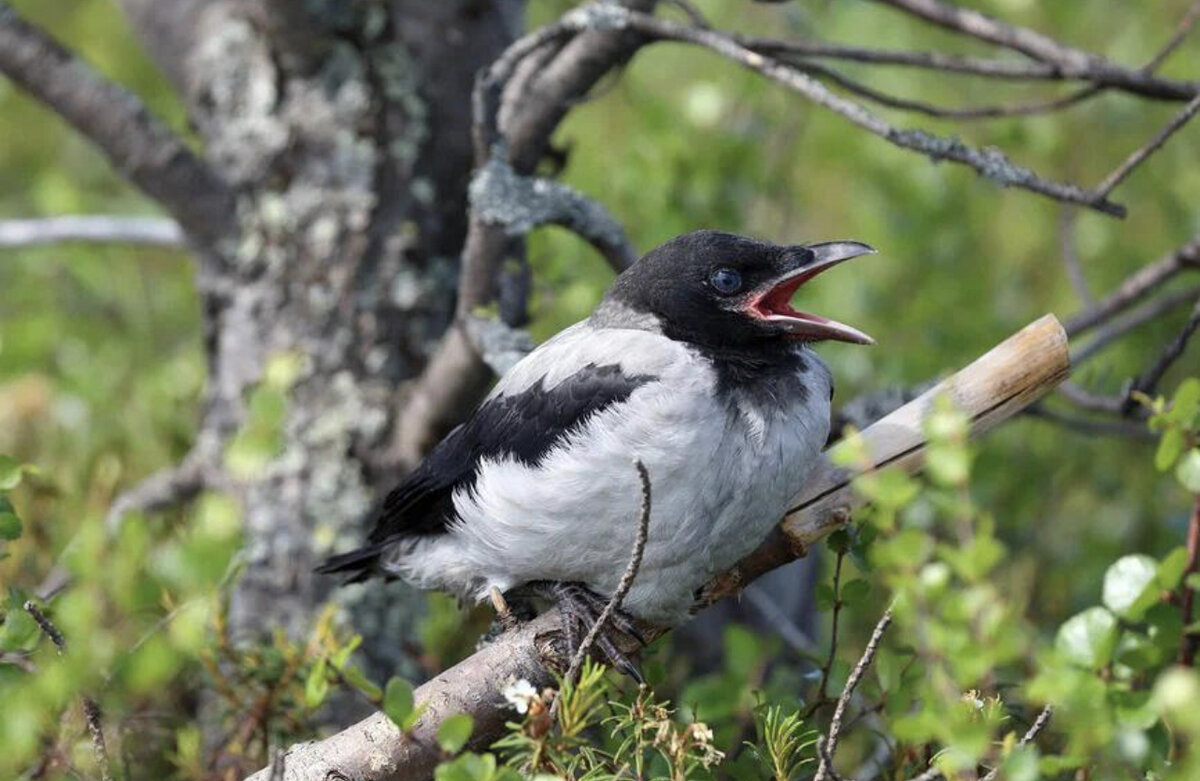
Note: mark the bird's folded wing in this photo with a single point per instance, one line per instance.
(533, 409)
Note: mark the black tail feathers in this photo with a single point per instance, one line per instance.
(361, 563)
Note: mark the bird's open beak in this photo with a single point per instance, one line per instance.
(772, 302)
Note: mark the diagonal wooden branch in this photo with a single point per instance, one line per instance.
(91, 228)
(996, 386)
(138, 144)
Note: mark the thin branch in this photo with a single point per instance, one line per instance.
(139, 145)
(1103, 428)
(825, 768)
(631, 571)
(518, 204)
(91, 711)
(1112, 77)
(1131, 319)
(989, 162)
(1186, 22)
(1148, 382)
(1030, 735)
(1070, 255)
(1137, 286)
(1139, 156)
(970, 113)
(167, 488)
(149, 231)
(1068, 61)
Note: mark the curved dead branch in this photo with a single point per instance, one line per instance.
(138, 144)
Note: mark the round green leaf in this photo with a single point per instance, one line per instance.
(398, 701)
(1169, 448)
(455, 732)
(1131, 585)
(1187, 471)
(1087, 639)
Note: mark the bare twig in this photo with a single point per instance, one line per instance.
(989, 162)
(150, 231)
(167, 488)
(1121, 325)
(518, 204)
(1070, 255)
(1111, 77)
(825, 768)
(1136, 287)
(1068, 61)
(827, 667)
(968, 113)
(1148, 381)
(1139, 155)
(1106, 428)
(1030, 735)
(139, 145)
(626, 582)
(1186, 22)
(91, 710)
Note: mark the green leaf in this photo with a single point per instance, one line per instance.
(1171, 569)
(1169, 448)
(1131, 586)
(454, 732)
(10, 472)
(1186, 403)
(1187, 471)
(356, 678)
(342, 655)
(467, 767)
(856, 591)
(1087, 639)
(317, 685)
(10, 524)
(398, 701)
(1193, 580)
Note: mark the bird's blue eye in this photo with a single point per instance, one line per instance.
(725, 281)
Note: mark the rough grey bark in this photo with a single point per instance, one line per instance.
(344, 128)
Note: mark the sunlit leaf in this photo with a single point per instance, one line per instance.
(1131, 586)
(1087, 639)
(1187, 471)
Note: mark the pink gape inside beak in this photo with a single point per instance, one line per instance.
(774, 304)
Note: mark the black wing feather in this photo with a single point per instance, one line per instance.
(525, 426)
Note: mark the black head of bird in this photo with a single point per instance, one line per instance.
(725, 291)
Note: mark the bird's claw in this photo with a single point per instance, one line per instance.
(580, 608)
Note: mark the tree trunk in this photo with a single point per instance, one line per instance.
(344, 129)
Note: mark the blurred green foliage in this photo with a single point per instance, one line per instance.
(1071, 538)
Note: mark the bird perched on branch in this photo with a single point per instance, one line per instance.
(694, 363)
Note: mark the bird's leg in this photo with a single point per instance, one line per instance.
(580, 608)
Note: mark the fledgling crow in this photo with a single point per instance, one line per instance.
(696, 364)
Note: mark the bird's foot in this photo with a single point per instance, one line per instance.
(580, 608)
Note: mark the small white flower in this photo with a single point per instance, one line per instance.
(520, 694)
